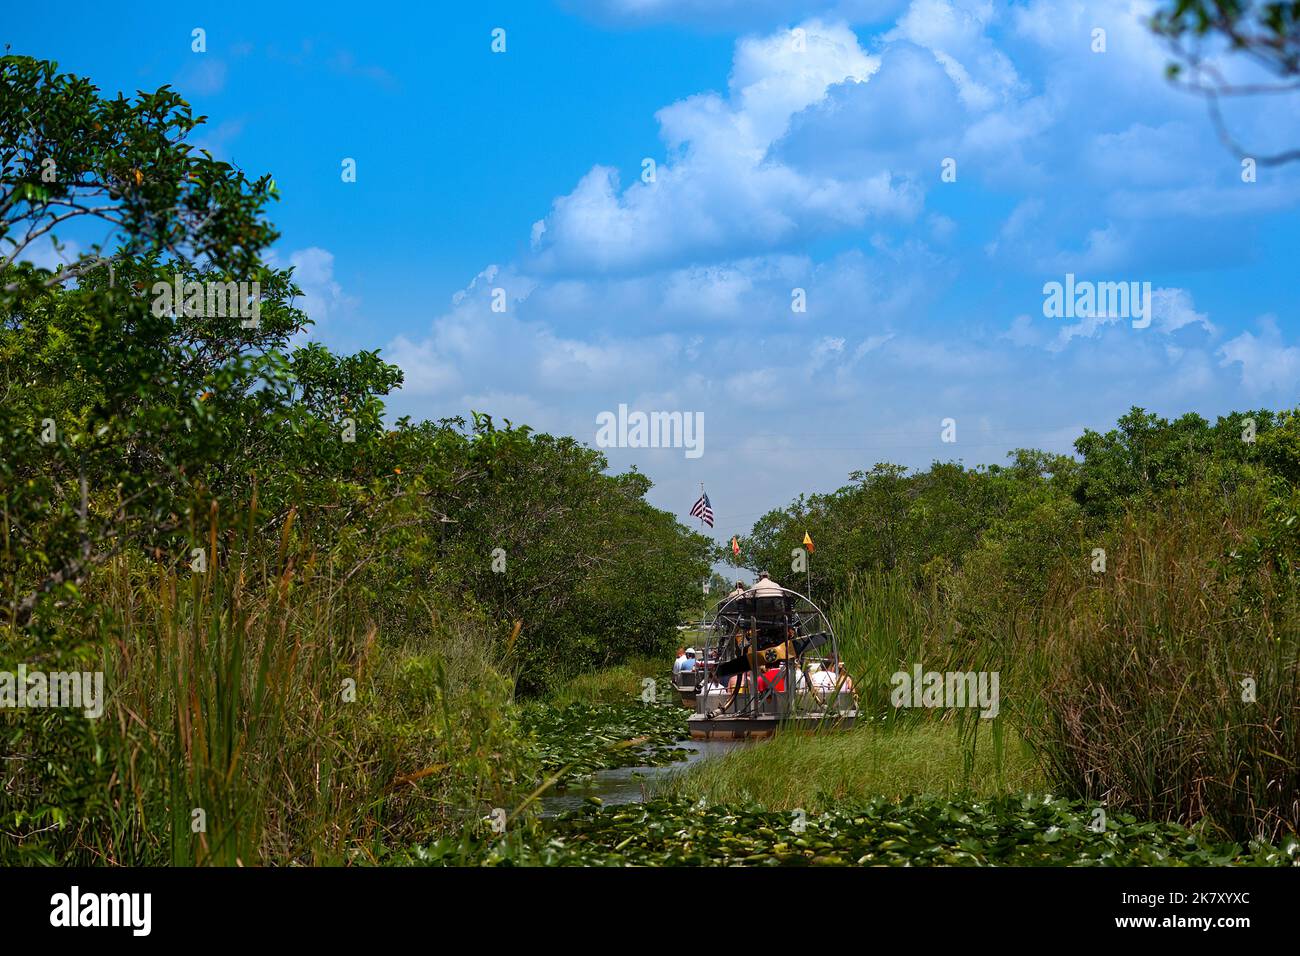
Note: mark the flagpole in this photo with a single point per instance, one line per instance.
(807, 565)
(705, 586)
(708, 574)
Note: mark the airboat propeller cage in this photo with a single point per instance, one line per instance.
(763, 626)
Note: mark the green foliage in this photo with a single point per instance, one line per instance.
(336, 543)
(1171, 683)
(1125, 680)
(579, 739)
(1009, 526)
(593, 574)
(229, 693)
(68, 154)
(611, 685)
(818, 772)
(1006, 831)
(1146, 456)
(917, 525)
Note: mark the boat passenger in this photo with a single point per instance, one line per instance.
(774, 677)
(686, 663)
(822, 678)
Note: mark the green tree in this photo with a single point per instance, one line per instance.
(1265, 33)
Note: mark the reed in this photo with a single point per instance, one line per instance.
(1169, 683)
(1126, 684)
(255, 716)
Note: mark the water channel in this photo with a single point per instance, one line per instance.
(629, 784)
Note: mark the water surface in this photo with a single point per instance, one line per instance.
(628, 784)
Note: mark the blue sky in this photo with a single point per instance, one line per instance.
(797, 146)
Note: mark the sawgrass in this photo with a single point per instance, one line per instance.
(1128, 684)
(818, 771)
(1171, 684)
(252, 718)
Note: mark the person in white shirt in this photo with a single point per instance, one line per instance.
(823, 680)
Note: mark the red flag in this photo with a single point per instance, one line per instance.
(735, 545)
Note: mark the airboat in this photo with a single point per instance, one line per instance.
(770, 660)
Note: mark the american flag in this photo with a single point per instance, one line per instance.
(703, 510)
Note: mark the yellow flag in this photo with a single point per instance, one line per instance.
(807, 542)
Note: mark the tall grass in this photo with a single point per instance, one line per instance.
(255, 716)
(614, 685)
(1127, 684)
(1140, 671)
(885, 625)
(816, 772)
